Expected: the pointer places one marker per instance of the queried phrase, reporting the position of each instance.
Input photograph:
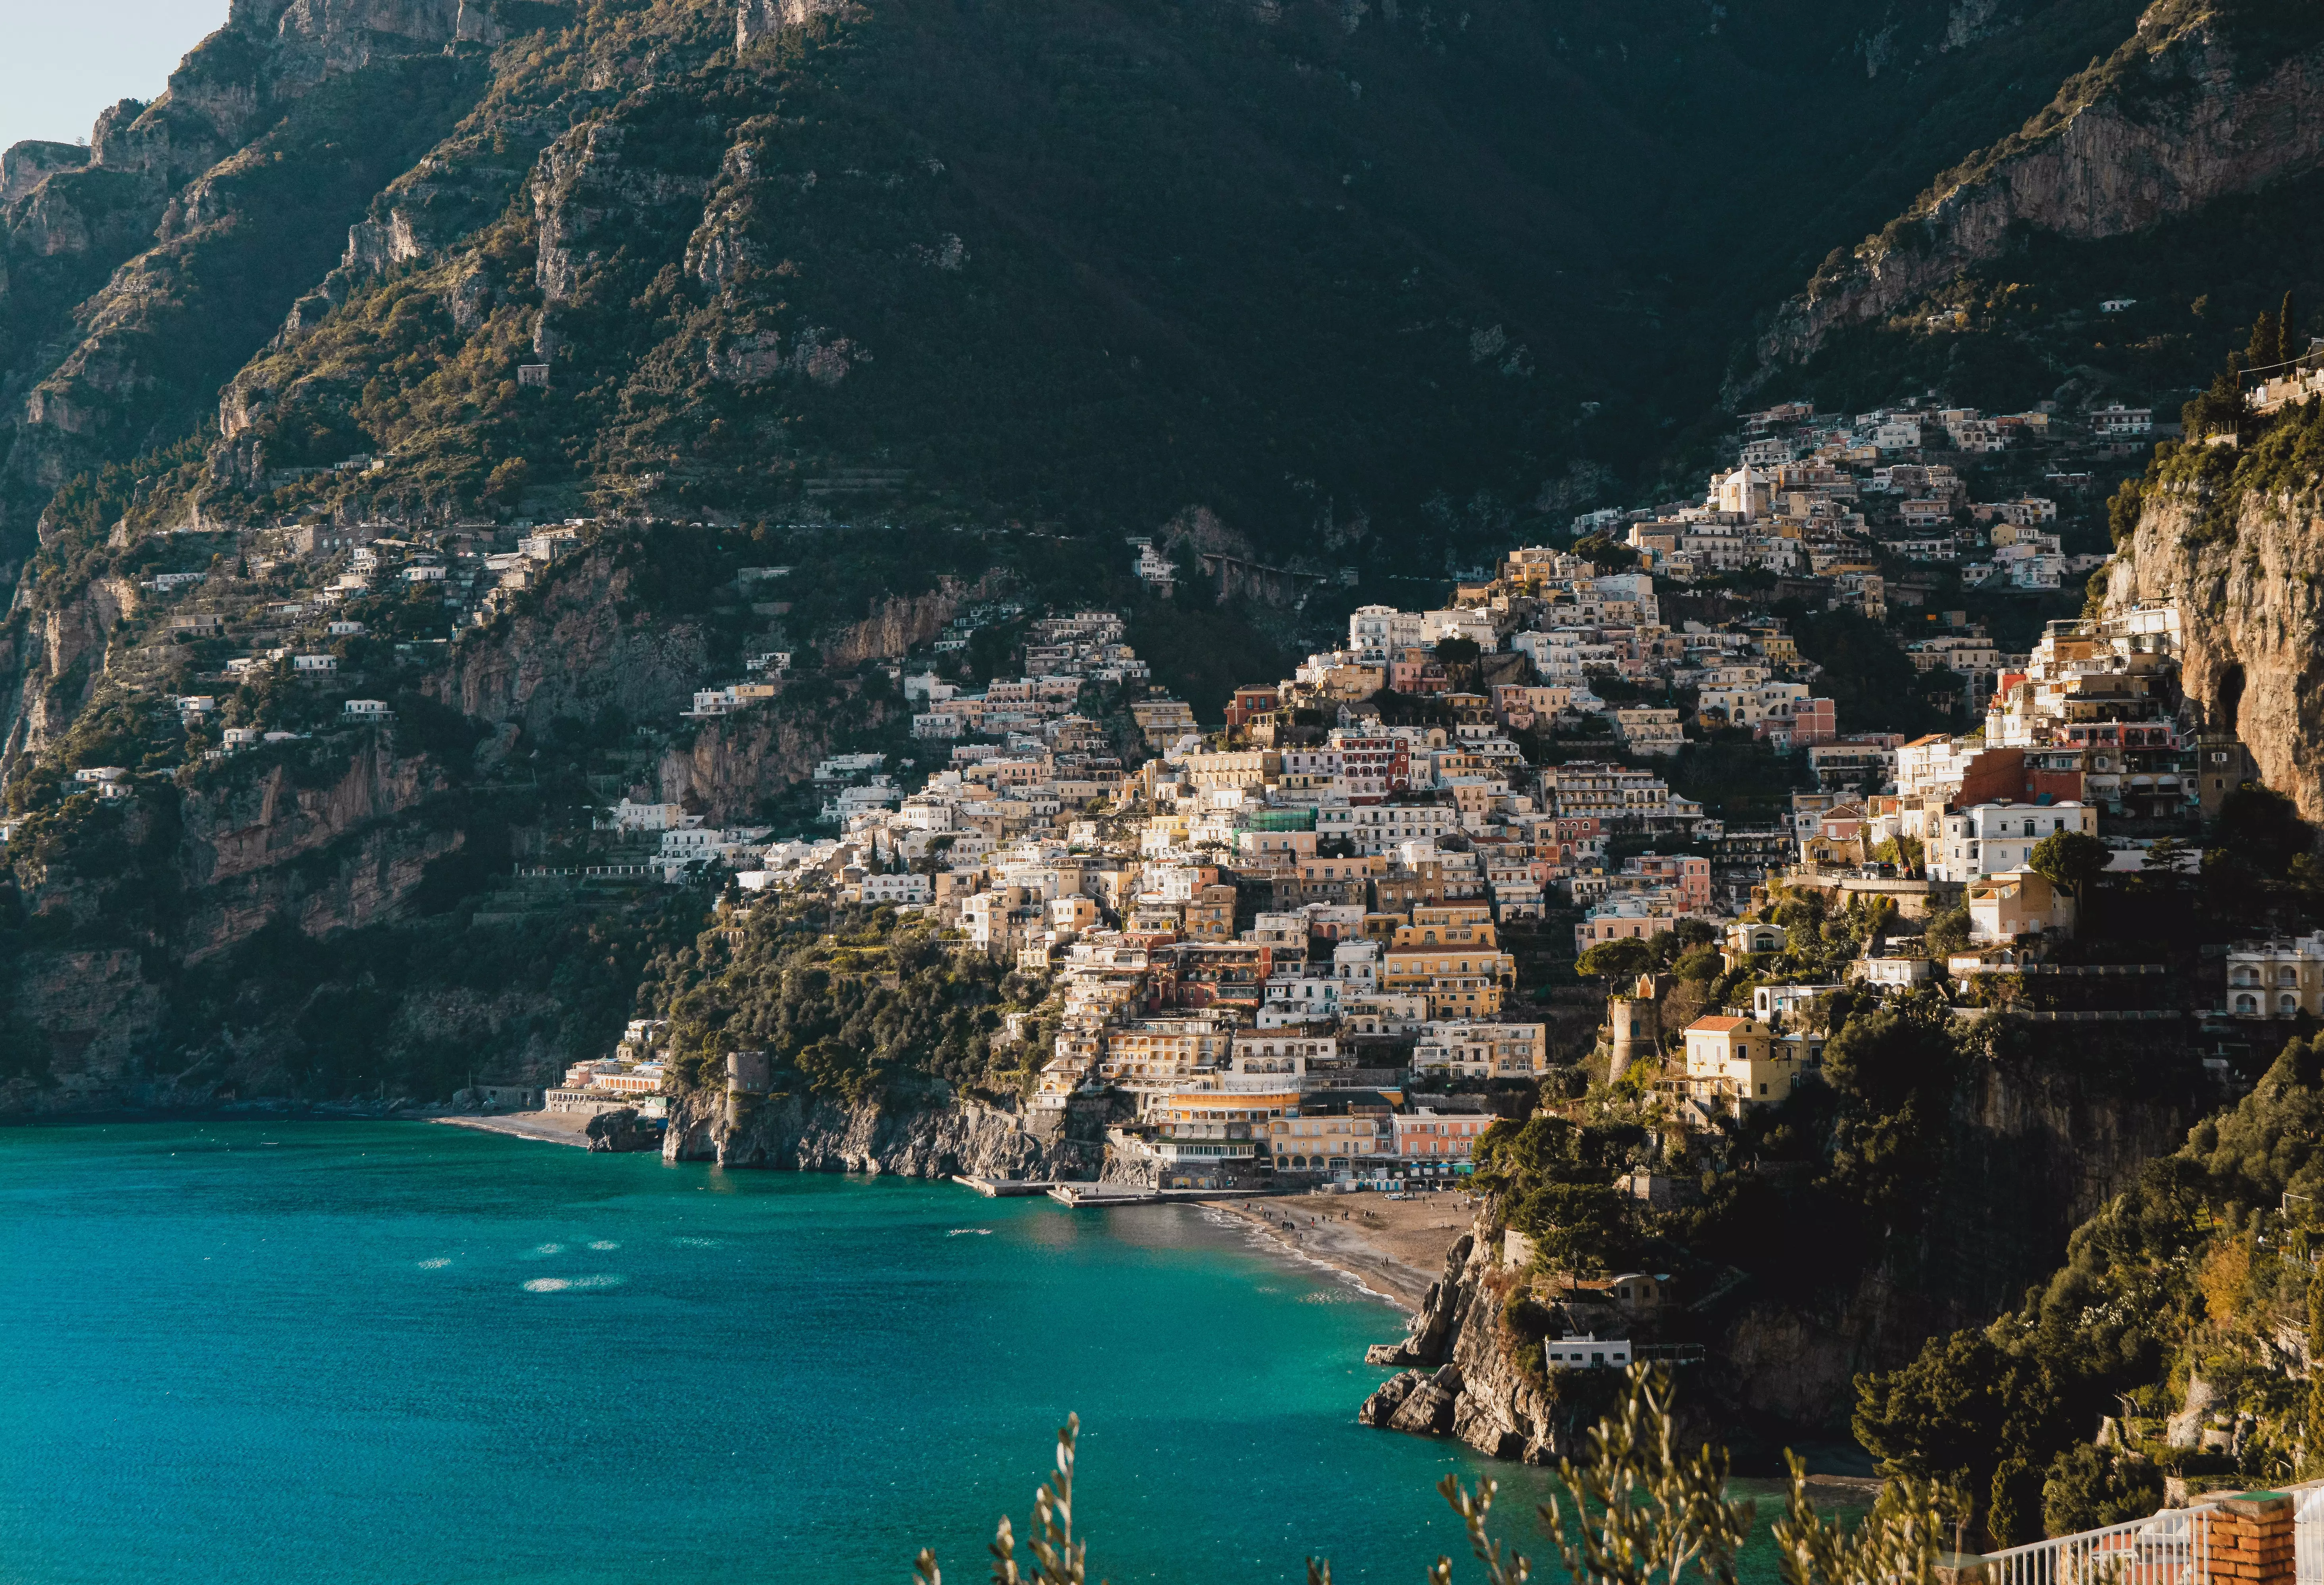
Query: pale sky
(66, 59)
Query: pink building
(1425, 1136)
(1814, 721)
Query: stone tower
(1637, 1025)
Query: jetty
(1005, 1188)
(1081, 1194)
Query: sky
(66, 59)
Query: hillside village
(1576, 824)
(1329, 939)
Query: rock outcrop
(138, 273)
(2033, 1150)
(1464, 1377)
(2250, 593)
(934, 1137)
(2196, 105)
(584, 646)
(621, 1130)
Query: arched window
(2247, 1005)
(2287, 1005)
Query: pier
(1081, 1194)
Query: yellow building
(1735, 1063)
(1450, 955)
(1155, 1054)
(1211, 914)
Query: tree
(1626, 959)
(2013, 1514)
(1948, 933)
(1905, 853)
(2261, 350)
(2086, 1488)
(1700, 963)
(2289, 343)
(2070, 859)
(508, 481)
(2164, 854)
(1604, 553)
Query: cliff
(2204, 100)
(1464, 1376)
(2245, 568)
(928, 1137)
(135, 279)
(2032, 1149)
(736, 761)
(585, 643)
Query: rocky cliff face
(2196, 105)
(2251, 620)
(163, 255)
(935, 1139)
(54, 661)
(896, 626)
(2033, 1150)
(584, 645)
(737, 761)
(1463, 1377)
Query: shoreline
(1344, 1246)
(1323, 1233)
(526, 1125)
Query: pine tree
(2289, 343)
(2264, 341)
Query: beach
(556, 1128)
(1394, 1246)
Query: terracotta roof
(1716, 1026)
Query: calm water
(269, 1352)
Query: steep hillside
(2210, 99)
(1346, 275)
(1942, 1171)
(1344, 287)
(2230, 533)
(2182, 1324)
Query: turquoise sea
(277, 1352)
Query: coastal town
(1591, 730)
(1441, 874)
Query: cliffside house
(2017, 903)
(2277, 979)
(1587, 1353)
(1733, 1064)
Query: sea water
(267, 1352)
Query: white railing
(2308, 1533)
(2165, 1550)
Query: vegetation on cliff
(2186, 1311)
(1052, 264)
(849, 1003)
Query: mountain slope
(2206, 101)
(1331, 271)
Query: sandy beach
(556, 1128)
(1396, 1247)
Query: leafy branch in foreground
(1057, 1558)
(1644, 1513)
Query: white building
(1990, 838)
(905, 890)
(1587, 1353)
